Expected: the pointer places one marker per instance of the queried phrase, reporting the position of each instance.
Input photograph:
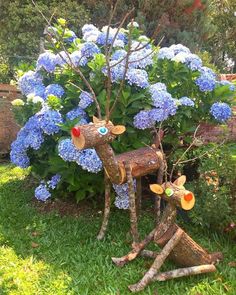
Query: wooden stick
(138, 195)
(132, 207)
(157, 198)
(183, 272)
(107, 207)
(149, 254)
(166, 221)
(121, 261)
(150, 274)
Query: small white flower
(180, 57)
(112, 31)
(17, 102)
(34, 99)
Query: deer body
(176, 244)
(120, 168)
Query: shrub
(168, 88)
(214, 187)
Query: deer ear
(180, 181)
(156, 188)
(95, 120)
(118, 129)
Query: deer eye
(102, 130)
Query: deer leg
(138, 195)
(183, 272)
(121, 261)
(160, 259)
(106, 209)
(132, 207)
(167, 220)
(157, 205)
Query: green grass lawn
(49, 254)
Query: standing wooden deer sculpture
(175, 243)
(118, 168)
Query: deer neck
(110, 164)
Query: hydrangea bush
(168, 86)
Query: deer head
(97, 133)
(175, 192)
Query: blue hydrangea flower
(49, 120)
(154, 89)
(141, 58)
(102, 38)
(143, 120)
(137, 77)
(89, 49)
(205, 83)
(67, 151)
(160, 97)
(186, 101)
(221, 111)
(54, 181)
(77, 112)
(193, 62)
(177, 48)
(30, 136)
(31, 82)
(119, 55)
(207, 71)
(122, 195)
(165, 52)
(34, 139)
(78, 59)
(48, 61)
(85, 99)
(158, 115)
(88, 159)
(225, 82)
(88, 28)
(117, 71)
(54, 89)
(19, 159)
(42, 193)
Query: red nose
(75, 131)
(188, 197)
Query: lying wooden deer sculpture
(176, 244)
(118, 168)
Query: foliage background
(208, 27)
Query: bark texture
(106, 209)
(187, 252)
(110, 164)
(160, 259)
(142, 161)
(132, 206)
(183, 272)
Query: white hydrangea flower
(34, 98)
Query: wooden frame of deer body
(175, 242)
(118, 169)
